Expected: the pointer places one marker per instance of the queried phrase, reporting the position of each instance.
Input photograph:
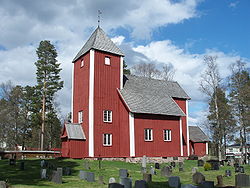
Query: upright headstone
(12, 162)
(140, 184)
(200, 163)
(157, 166)
(3, 184)
(242, 180)
(0, 157)
(115, 185)
(228, 173)
(101, 180)
(22, 165)
(174, 181)
(143, 170)
(188, 186)
(172, 164)
(206, 184)
(111, 180)
(42, 164)
(60, 171)
(147, 177)
(83, 175)
(56, 177)
(43, 173)
(198, 178)
(175, 158)
(194, 170)
(222, 163)
(152, 170)
(242, 169)
(181, 167)
(90, 177)
(86, 165)
(127, 182)
(220, 181)
(144, 161)
(166, 171)
(123, 173)
(67, 171)
(237, 169)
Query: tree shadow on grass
(31, 173)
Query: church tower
(97, 74)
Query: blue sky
(179, 32)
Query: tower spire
(99, 17)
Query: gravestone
(0, 158)
(83, 175)
(215, 164)
(242, 169)
(43, 173)
(127, 182)
(115, 185)
(147, 177)
(175, 158)
(12, 162)
(166, 171)
(144, 161)
(219, 181)
(101, 180)
(237, 169)
(123, 173)
(194, 170)
(56, 177)
(140, 184)
(90, 177)
(181, 167)
(86, 165)
(143, 170)
(111, 180)
(152, 170)
(22, 165)
(60, 171)
(242, 180)
(200, 163)
(172, 164)
(222, 163)
(174, 181)
(188, 186)
(198, 178)
(228, 173)
(3, 184)
(157, 166)
(42, 164)
(67, 171)
(206, 184)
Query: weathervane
(99, 18)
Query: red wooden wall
(158, 147)
(198, 148)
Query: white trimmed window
(107, 60)
(167, 135)
(107, 139)
(107, 116)
(82, 63)
(148, 134)
(80, 116)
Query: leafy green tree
(125, 68)
(48, 79)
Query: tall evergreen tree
(48, 79)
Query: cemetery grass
(30, 177)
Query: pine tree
(48, 79)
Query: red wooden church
(116, 115)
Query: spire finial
(99, 17)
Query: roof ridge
(152, 78)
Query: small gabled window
(107, 139)
(107, 60)
(82, 63)
(80, 116)
(107, 116)
(148, 134)
(167, 135)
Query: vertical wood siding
(198, 148)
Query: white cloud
(118, 40)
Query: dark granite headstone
(237, 169)
(140, 184)
(60, 171)
(228, 173)
(206, 184)
(188, 186)
(174, 181)
(172, 164)
(215, 164)
(90, 177)
(242, 180)
(147, 177)
(12, 162)
(222, 163)
(193, 157)
(157, 166)
(166, 171)
(242, 169)
(127, 182)
(200, 163)
(115, 185)
(56, 177)
(67, 171)
(220, 181)
(198, 178)
(22, 165)
(123, 173)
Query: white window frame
(82, 63)
(167, 135)
(107, 60)
(107, 116)
(148, 134)
(80, 116)
(107, 139)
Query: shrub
(207, 166)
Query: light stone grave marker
(166, 171)
(147, 177)
(144, 161)
(111, 180)
(127, 182)
(90, 177)
(43, 173)
(198, 178)
(123, 173)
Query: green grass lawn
(30, 177)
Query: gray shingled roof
(145, 95)
(75, 131)
(197, 135)
(99, 41)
